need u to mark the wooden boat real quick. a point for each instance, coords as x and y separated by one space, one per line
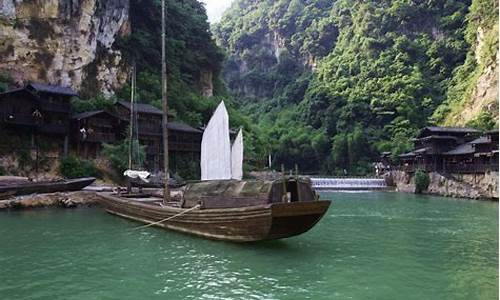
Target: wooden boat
229 210
222 209
28 187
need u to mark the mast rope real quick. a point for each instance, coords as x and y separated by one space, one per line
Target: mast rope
169 218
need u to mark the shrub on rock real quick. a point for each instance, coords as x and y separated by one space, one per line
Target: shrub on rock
422 181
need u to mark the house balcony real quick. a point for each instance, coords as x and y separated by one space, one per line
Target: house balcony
184 147
60 129
451 168
470 168
55 107
98 137
19 119
145 129
152 150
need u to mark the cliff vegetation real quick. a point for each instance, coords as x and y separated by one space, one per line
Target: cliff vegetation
331 84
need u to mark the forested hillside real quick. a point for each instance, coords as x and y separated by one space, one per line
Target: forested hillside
334 83
191 52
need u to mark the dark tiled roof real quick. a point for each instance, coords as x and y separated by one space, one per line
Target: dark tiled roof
12 91
425 150
92 113
86 114
467 148
53 89
177 126
438 137
451 129
481 140
142 108
409 154
422 150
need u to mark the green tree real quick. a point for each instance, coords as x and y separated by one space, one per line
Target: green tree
118 155
340 151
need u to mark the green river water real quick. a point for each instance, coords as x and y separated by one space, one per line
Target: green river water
368 246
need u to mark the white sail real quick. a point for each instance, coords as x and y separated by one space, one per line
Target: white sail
237 157
216 147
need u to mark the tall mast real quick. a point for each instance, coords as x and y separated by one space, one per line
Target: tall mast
131 123
166 191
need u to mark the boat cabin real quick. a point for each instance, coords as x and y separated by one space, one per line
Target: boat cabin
235 193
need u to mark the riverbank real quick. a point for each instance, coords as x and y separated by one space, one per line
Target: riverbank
471 186
64 200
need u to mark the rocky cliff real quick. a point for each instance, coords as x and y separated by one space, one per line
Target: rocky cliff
471 186
263 37
481 96
473 97
67 42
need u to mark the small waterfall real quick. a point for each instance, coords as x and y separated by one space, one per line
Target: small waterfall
349 183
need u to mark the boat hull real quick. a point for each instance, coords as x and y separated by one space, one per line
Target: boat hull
27 188
246 224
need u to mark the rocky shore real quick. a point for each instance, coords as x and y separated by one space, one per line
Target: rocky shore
64 200
471 186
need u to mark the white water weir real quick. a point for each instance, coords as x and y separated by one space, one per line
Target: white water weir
348 183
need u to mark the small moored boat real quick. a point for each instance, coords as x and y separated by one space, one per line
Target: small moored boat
28 187
229 210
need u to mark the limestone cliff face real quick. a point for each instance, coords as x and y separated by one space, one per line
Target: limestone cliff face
67 42
206 83
266 39
484 90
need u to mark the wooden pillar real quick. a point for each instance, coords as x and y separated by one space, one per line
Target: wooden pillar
84 146
66 145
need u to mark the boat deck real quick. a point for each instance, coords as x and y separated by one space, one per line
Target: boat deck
151 200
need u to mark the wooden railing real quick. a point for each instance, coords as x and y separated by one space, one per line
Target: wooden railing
149 129
58 107
18 119
152 150
451 168
187 147
469 168
96 137
54 128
